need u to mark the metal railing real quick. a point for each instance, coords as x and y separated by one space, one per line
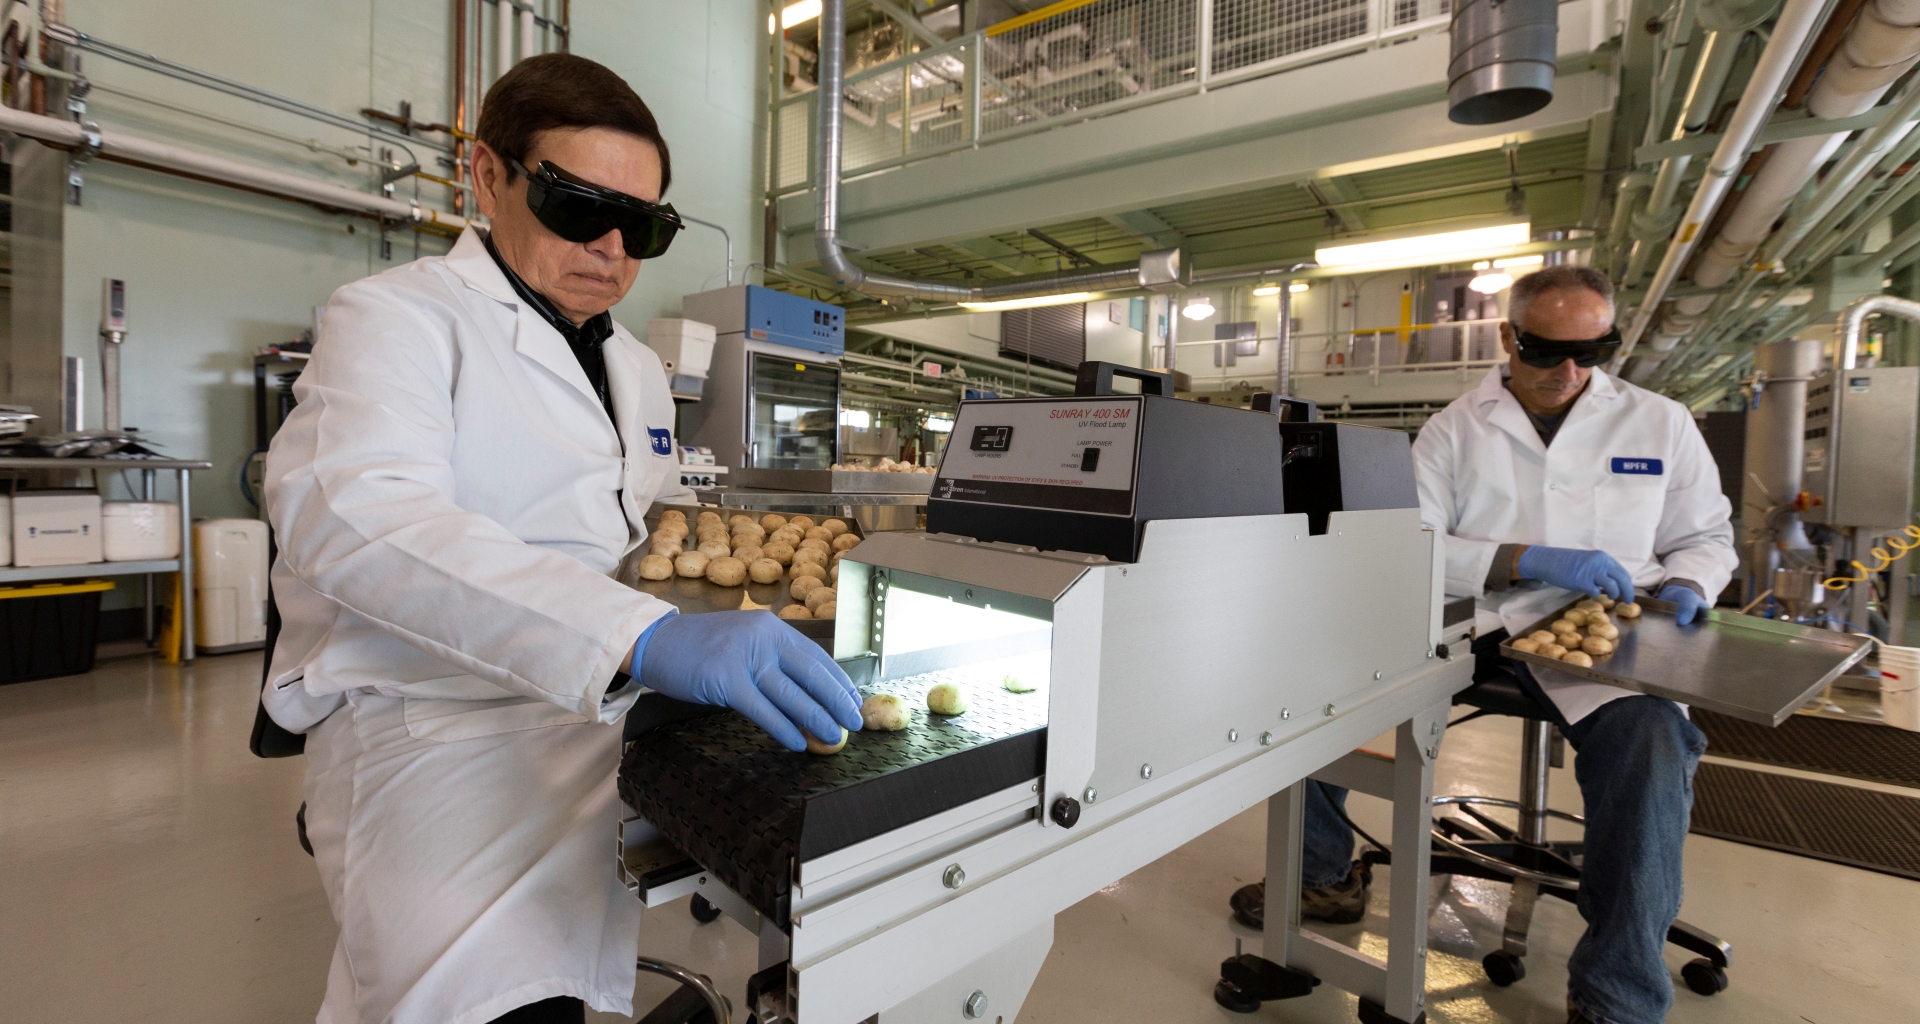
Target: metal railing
1090 60
1465 347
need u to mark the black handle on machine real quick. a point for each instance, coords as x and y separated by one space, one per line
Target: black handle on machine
1096 379
1286 410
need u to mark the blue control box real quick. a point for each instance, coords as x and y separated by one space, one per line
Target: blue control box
792 320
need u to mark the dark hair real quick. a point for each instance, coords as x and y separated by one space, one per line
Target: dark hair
1553 279
561 90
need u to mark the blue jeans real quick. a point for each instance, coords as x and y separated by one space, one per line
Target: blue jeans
1636 779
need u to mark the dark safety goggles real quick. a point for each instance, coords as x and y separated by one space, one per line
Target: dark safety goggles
1547 353
580 211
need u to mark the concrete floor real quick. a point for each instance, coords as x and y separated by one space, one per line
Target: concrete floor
149 872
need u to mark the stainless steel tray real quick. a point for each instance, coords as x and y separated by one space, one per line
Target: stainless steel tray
1740 665
831 481
694 596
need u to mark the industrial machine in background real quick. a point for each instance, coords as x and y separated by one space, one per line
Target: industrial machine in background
1153 640
685 348
772 399
1829 473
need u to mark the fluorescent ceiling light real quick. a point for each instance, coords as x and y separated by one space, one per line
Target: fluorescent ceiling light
939 424
1028 303
1491 281
1267 289
799 13
1423 250
1514 262
1299 287
1198 308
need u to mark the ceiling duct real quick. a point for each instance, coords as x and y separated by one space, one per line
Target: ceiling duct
1504 58
1154 270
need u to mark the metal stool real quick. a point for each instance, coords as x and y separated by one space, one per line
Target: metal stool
1475 845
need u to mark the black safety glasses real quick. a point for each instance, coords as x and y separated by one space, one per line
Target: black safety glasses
1547 353
580 211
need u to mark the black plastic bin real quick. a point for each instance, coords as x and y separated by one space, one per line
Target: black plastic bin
49 630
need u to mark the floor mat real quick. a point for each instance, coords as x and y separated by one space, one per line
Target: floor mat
1823 820
1877 753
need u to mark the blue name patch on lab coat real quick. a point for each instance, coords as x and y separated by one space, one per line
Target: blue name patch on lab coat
663 442
1642 467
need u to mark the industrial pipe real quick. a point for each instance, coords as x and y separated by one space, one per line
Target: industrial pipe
1152 270
1775 422
1881 44
159 156
527 45
1855 316
1717 51
1777 61
502 37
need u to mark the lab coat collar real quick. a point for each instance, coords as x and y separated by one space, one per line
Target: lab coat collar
1502 410
533 337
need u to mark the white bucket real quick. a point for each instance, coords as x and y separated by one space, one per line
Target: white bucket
1899 668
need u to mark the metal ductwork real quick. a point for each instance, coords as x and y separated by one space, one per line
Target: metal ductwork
1154 270
1503 59
1881 44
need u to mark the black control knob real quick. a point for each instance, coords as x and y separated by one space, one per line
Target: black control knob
1065 812
1440 651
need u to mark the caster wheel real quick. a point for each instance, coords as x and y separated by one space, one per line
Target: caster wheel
1233 999
1503 968
1703 977
703 911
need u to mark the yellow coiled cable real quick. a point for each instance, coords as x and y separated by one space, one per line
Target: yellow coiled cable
1901 547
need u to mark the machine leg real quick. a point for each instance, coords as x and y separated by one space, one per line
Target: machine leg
1416 747
1247 980
1285 811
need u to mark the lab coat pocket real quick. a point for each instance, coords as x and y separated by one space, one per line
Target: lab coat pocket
1627 508
450 721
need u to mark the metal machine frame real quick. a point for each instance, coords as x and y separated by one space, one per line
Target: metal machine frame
877 928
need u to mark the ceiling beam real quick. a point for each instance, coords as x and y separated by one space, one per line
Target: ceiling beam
1343 198
1142 224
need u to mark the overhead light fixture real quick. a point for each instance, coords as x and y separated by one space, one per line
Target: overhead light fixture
1027 303
799 13
1490 281
1267 289
1424 250
1198 308
1516 262
1299 287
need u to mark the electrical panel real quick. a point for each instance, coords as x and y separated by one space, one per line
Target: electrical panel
1858 461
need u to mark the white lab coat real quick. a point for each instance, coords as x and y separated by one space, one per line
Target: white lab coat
1628 474
450 503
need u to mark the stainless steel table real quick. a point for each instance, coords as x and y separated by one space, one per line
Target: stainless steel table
182 565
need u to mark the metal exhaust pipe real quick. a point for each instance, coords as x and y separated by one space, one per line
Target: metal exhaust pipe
1154 270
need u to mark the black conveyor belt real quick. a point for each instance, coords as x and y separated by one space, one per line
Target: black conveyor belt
747 809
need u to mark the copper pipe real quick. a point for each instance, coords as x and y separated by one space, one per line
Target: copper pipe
1823 46
459 104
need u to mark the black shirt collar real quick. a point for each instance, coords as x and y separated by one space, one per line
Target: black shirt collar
584 339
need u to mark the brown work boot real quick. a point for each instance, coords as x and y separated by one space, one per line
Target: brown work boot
1343 902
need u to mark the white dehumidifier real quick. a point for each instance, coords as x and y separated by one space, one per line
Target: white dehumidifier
229 585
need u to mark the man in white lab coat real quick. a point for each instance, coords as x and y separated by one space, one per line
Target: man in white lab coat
475 445
1550 478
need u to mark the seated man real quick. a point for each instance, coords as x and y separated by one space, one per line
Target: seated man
1552 479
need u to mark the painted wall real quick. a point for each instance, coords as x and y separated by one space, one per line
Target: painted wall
215 273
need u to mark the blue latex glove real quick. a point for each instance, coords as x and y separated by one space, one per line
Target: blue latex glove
756 665
1691 604
1590 572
